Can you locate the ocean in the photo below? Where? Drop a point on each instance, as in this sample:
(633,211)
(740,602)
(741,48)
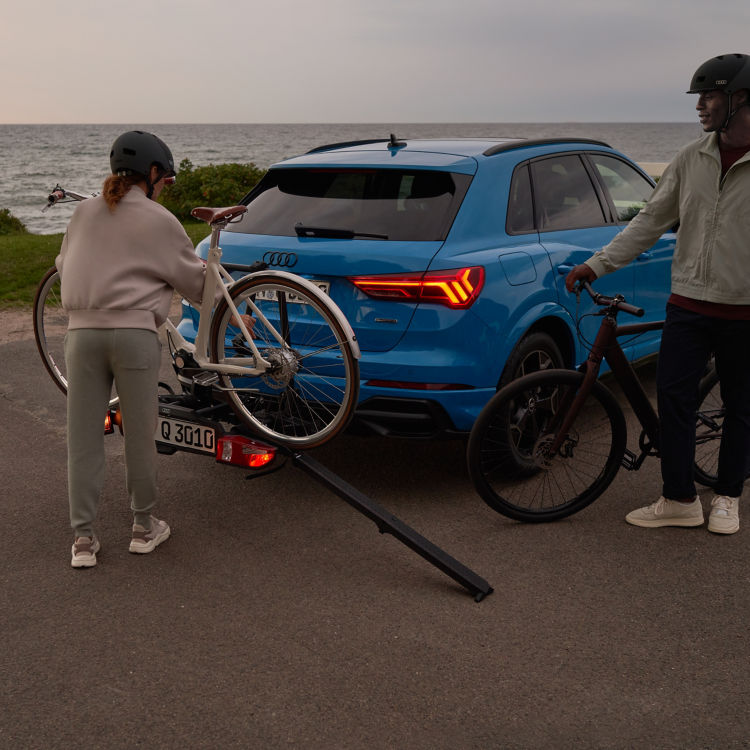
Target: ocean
(34,158)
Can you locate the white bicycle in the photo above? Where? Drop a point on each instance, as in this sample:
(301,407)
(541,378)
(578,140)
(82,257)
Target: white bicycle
(291,375)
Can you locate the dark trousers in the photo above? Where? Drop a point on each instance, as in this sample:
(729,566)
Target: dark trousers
(688,341)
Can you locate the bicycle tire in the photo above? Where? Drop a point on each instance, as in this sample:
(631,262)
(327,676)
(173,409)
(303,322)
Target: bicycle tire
(708,425)
(309,394)
(50,327)
(505,452)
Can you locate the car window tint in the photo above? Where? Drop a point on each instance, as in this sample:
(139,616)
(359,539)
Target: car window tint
(370,203)
(628,188)
(520,205)
(564,194)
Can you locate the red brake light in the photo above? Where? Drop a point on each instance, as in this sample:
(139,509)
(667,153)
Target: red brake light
(456,288)
(241,451)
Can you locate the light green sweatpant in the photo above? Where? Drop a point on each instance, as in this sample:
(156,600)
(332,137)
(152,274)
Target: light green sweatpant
(94,358)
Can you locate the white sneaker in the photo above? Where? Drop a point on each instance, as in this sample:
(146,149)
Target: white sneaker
(667,513)
(83,552)
(725,517)
(146,541)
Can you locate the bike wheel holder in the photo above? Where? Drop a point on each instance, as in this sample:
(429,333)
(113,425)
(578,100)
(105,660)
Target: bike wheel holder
(387,523)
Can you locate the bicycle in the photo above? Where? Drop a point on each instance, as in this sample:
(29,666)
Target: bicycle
(292,376)
(548,444)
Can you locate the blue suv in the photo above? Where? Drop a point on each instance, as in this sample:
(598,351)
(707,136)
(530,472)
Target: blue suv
(448,257)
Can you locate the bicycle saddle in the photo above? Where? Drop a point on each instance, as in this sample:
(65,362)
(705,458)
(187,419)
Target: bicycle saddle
(216,215)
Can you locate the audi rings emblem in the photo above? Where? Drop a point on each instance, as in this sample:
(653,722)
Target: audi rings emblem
(285,260)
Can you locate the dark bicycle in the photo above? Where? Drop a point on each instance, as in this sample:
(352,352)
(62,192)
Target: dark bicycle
(548,444)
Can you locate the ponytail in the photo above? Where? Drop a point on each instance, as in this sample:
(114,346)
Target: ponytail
(116,186)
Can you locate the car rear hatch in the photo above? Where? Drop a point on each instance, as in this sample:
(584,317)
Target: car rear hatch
(329,224)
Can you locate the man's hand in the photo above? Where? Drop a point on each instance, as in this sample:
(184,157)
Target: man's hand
(581,272)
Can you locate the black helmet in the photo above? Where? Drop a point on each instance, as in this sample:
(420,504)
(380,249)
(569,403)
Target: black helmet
(728,73)
(135,151)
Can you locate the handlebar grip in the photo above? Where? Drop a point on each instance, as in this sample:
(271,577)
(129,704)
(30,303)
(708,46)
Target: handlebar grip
(639,312)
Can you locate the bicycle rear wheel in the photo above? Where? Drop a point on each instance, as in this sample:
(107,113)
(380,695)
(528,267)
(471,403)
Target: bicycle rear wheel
(309,393)
(50,327)
(708,424)
(508,452)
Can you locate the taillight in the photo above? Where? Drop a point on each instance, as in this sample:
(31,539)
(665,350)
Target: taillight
(241,451)
(457,288)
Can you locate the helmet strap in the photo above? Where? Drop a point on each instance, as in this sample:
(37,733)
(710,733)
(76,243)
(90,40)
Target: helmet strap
(149,185)
(731,112)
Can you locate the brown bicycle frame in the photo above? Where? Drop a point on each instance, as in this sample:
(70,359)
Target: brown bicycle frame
(607,347)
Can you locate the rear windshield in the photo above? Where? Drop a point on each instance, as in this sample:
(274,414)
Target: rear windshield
(385,204)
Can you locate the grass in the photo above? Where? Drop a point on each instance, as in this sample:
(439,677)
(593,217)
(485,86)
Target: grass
(25,258)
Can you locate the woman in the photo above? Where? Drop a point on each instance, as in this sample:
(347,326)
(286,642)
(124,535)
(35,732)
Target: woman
(122,257)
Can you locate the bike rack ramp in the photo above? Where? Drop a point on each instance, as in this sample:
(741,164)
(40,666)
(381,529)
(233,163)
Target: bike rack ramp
(174,407)
(387,523)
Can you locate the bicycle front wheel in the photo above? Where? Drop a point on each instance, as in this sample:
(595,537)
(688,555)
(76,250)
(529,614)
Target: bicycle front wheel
(509,451)
(50,327)
(308,394)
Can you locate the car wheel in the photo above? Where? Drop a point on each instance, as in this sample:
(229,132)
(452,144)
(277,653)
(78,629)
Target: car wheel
(534,352)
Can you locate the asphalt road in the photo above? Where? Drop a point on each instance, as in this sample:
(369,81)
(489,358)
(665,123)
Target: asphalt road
(278,617)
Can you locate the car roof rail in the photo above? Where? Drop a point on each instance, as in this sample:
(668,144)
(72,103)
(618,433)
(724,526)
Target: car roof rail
(346,144)
(521,143)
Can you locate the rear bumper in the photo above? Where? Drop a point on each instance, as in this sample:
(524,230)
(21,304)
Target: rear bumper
(403,417)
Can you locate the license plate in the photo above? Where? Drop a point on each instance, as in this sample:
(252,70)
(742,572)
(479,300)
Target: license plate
(270,294)
(186,435)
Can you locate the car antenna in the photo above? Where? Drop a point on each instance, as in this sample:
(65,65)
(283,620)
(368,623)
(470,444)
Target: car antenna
(395,143)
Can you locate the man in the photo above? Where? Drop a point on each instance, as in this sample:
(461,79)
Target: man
(706,189)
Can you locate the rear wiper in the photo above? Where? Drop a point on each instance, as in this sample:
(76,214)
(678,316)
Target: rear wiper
(337,234)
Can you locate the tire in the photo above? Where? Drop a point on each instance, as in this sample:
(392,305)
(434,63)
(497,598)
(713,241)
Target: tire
(50,327)
(533,353)
(310,392)
(708,424)
(506,458)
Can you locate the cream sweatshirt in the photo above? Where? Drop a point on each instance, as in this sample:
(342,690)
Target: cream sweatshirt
(119,268)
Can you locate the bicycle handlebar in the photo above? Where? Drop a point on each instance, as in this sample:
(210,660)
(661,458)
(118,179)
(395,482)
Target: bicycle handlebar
(59,193)
(617,302)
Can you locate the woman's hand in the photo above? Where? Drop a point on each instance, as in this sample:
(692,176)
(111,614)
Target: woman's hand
(248,320)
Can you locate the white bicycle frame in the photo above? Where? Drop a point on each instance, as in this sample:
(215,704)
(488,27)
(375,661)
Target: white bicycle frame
(217,275)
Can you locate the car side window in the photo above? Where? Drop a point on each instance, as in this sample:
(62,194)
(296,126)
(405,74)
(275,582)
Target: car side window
(628,188)
(564,195)
(520,204)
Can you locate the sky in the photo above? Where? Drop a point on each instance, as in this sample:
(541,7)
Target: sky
(359,61)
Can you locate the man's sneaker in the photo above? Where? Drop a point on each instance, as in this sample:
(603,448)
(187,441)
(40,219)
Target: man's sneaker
(725,517)
(83,552)
(146,541)
(667,513)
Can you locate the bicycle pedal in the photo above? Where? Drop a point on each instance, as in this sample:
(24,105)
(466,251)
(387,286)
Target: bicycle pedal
(205,379)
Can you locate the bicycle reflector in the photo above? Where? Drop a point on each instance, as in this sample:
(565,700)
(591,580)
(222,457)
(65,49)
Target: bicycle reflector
(239,450)
(456,288)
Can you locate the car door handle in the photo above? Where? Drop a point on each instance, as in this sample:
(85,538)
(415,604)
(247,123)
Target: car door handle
(564,269)
(647,255)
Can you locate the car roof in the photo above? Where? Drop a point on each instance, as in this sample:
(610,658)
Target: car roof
(459,154)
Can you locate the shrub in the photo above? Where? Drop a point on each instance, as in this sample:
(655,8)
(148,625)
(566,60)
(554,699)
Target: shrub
(217,185)
(9,224)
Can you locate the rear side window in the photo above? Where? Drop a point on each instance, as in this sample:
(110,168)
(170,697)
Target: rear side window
(628,188)
(387,204)
(520,205)
(564,196)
